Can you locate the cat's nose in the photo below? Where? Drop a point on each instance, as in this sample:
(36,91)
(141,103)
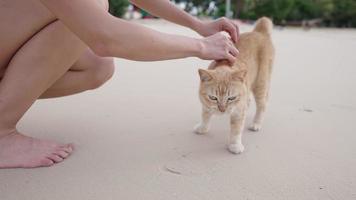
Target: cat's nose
(221,108)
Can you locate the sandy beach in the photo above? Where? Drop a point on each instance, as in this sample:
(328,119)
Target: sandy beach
(134,137)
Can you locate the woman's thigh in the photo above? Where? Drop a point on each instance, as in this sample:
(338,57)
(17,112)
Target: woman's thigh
(20,20)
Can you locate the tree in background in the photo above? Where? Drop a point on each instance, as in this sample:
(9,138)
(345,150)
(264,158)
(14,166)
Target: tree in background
(239,6)
(276,9)
(341,13)
(118,7)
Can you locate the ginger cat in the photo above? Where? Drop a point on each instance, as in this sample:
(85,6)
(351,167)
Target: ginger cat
(225,89)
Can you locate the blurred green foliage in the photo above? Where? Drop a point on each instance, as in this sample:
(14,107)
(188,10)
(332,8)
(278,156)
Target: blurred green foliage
(340,13)
(343,13)
(118,7)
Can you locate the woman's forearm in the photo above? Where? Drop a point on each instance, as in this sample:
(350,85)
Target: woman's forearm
(167,10)
(145,44)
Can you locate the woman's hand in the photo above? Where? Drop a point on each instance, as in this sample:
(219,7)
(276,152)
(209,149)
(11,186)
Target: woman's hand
(218,47)
(222,24)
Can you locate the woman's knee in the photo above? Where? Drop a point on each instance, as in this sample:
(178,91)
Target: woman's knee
(102,72)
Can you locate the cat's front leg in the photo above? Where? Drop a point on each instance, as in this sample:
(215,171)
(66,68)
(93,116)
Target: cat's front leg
(204,125)
(237,121)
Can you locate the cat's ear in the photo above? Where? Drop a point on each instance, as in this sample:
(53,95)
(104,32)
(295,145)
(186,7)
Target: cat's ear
(205,76)
(239,75)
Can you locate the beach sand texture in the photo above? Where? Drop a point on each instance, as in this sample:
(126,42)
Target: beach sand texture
(134,137)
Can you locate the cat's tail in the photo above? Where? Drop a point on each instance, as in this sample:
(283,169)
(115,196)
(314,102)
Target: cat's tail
(264,25)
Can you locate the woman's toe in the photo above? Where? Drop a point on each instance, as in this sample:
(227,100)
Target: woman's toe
(68,148)
(62,153)
(47,162)
(55,158)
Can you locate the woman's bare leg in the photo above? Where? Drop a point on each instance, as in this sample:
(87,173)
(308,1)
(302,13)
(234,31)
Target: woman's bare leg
(34,68)
(89,72)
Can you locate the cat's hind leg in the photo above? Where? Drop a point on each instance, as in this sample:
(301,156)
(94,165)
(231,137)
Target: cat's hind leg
(260,94)
(261,89)
(204,125)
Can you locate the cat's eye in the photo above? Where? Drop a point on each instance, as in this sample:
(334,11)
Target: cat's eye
(212,98)
(232,98)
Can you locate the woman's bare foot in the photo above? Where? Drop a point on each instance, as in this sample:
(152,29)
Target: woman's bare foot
(20,151)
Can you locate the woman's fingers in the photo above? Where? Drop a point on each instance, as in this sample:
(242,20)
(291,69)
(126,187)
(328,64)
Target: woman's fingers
(230,58)
(219,47)
(234,24)
(231,28)
(237,29)
(231,54)
(233,50)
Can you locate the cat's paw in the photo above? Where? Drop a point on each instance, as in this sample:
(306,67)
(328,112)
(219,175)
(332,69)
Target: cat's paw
(236,148)
(255,127)
(200,129)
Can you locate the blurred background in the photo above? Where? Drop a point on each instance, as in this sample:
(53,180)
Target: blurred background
(309,13)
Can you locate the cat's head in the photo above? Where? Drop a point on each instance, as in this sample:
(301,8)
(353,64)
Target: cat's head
(222,89)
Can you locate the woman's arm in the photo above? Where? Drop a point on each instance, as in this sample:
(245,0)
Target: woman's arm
(167,10)
(110,36)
